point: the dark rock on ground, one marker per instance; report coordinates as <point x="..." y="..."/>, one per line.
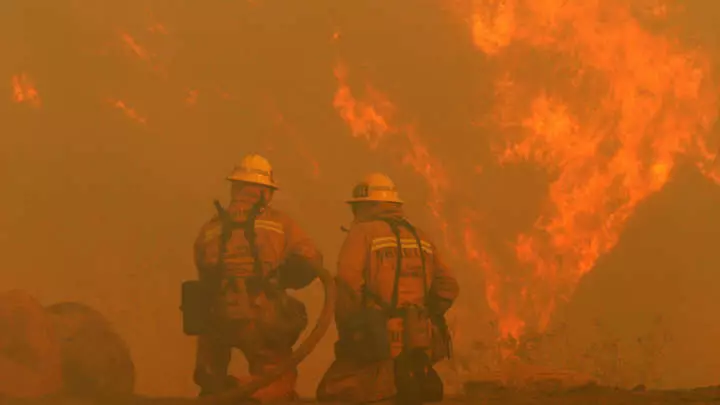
<point x="95" y="359"/>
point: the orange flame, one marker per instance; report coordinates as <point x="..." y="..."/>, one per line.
<point x="128" y="111"/>
<point x="605" y="114"/>
<point x="371" y="119"/>
<point x="365" y="119"/>
<point x="608" y="135"/>
<point x="191" y="98"/>
<point x="134" y="47"/>
<point x="584" y="92"/>
<point x="24" y="90"/>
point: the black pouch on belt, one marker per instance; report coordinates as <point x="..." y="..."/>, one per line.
<point x="196" y="307"/>
<point x="364" y="337"/>
<point x="416" y="328"/>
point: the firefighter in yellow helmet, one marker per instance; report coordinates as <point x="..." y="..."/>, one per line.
<point x="247" y="256"/>
<point x="393" y="292"/>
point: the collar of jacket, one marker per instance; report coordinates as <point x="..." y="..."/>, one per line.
<point x="365" y="212"/>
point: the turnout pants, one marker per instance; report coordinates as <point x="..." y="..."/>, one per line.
<point x="266" y="343"/>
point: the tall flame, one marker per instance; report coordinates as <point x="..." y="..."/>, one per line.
<point x="598" y="102"/>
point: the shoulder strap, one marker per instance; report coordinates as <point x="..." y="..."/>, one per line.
<point x="228" y="226"/>
<point x="396" y="282"/>
<point x="251" y="237"/>
<point x="225" y="234"/>
<point x="395" y="227"/>
<point x="423" y="264"/>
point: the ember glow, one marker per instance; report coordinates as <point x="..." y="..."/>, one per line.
<point x="24" y="90"/>
<point x="128" y="111"/>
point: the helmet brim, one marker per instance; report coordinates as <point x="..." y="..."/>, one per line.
<point x="370" y="199"/>
<point x="257" y="183"/>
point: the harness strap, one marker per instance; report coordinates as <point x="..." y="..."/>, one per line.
<point x="392" y="308"/>
<point x="413" y="230"/>
<point x="396" y="283"/>
<point x="248" y="227"/>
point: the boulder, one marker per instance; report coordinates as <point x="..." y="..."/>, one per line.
<point x="96" y="361"/>
<point x="30" y="364"/>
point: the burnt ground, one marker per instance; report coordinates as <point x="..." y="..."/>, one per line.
<point x="591" y="395"/>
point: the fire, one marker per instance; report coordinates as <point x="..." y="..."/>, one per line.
<point x="24" y="90"/>
<point x="606" y="112"/>
<point x="137" y="48"/>
<point x="371" y="118"/>
<point x="608" y="136"/>
<point x="365" y="118"/>
<point x="128" y="111"/>
<point x="584" y="93"/>
<point x="191" y="98"/>
<point x="134" y="47"/>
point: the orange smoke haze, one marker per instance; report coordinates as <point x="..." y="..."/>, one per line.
<point x="563" y="153"/>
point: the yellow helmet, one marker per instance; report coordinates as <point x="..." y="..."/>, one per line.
<point x="375" y="187"/>
<point x="254" y="169"/>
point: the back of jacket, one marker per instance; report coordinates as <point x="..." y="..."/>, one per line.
<point x="287" y="255"/>
<point x="367" y="265"/>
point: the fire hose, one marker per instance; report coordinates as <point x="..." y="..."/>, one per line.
<point x="304" y="349"/>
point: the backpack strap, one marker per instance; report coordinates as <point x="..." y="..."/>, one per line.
<point x="396" y="283"/>
<point x="423" y="264"/>
<point x="392" y="308"/>
<point x="248" y="227"/>
<point x="395" y="226"/>
<point x="225" y="234"/>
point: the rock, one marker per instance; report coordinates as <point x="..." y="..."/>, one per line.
<point x="96" y="361"/>
<point x="29" y="350"/>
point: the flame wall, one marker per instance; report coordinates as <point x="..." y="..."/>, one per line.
<point x="560" y="151"/>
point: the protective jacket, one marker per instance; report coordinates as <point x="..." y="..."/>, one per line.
<point x="252" y="253"/>
<point x="366" y="266"/>
<point x="367" y="278"/>
<point x="284" y="250"/>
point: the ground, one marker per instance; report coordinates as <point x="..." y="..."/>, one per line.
<point x="580" y="396"/>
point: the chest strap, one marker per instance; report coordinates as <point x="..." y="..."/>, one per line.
<point x="248" y="228"/>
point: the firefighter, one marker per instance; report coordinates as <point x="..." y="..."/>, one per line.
<point x="393" y="292"/>
<point x="251" y="254"/>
